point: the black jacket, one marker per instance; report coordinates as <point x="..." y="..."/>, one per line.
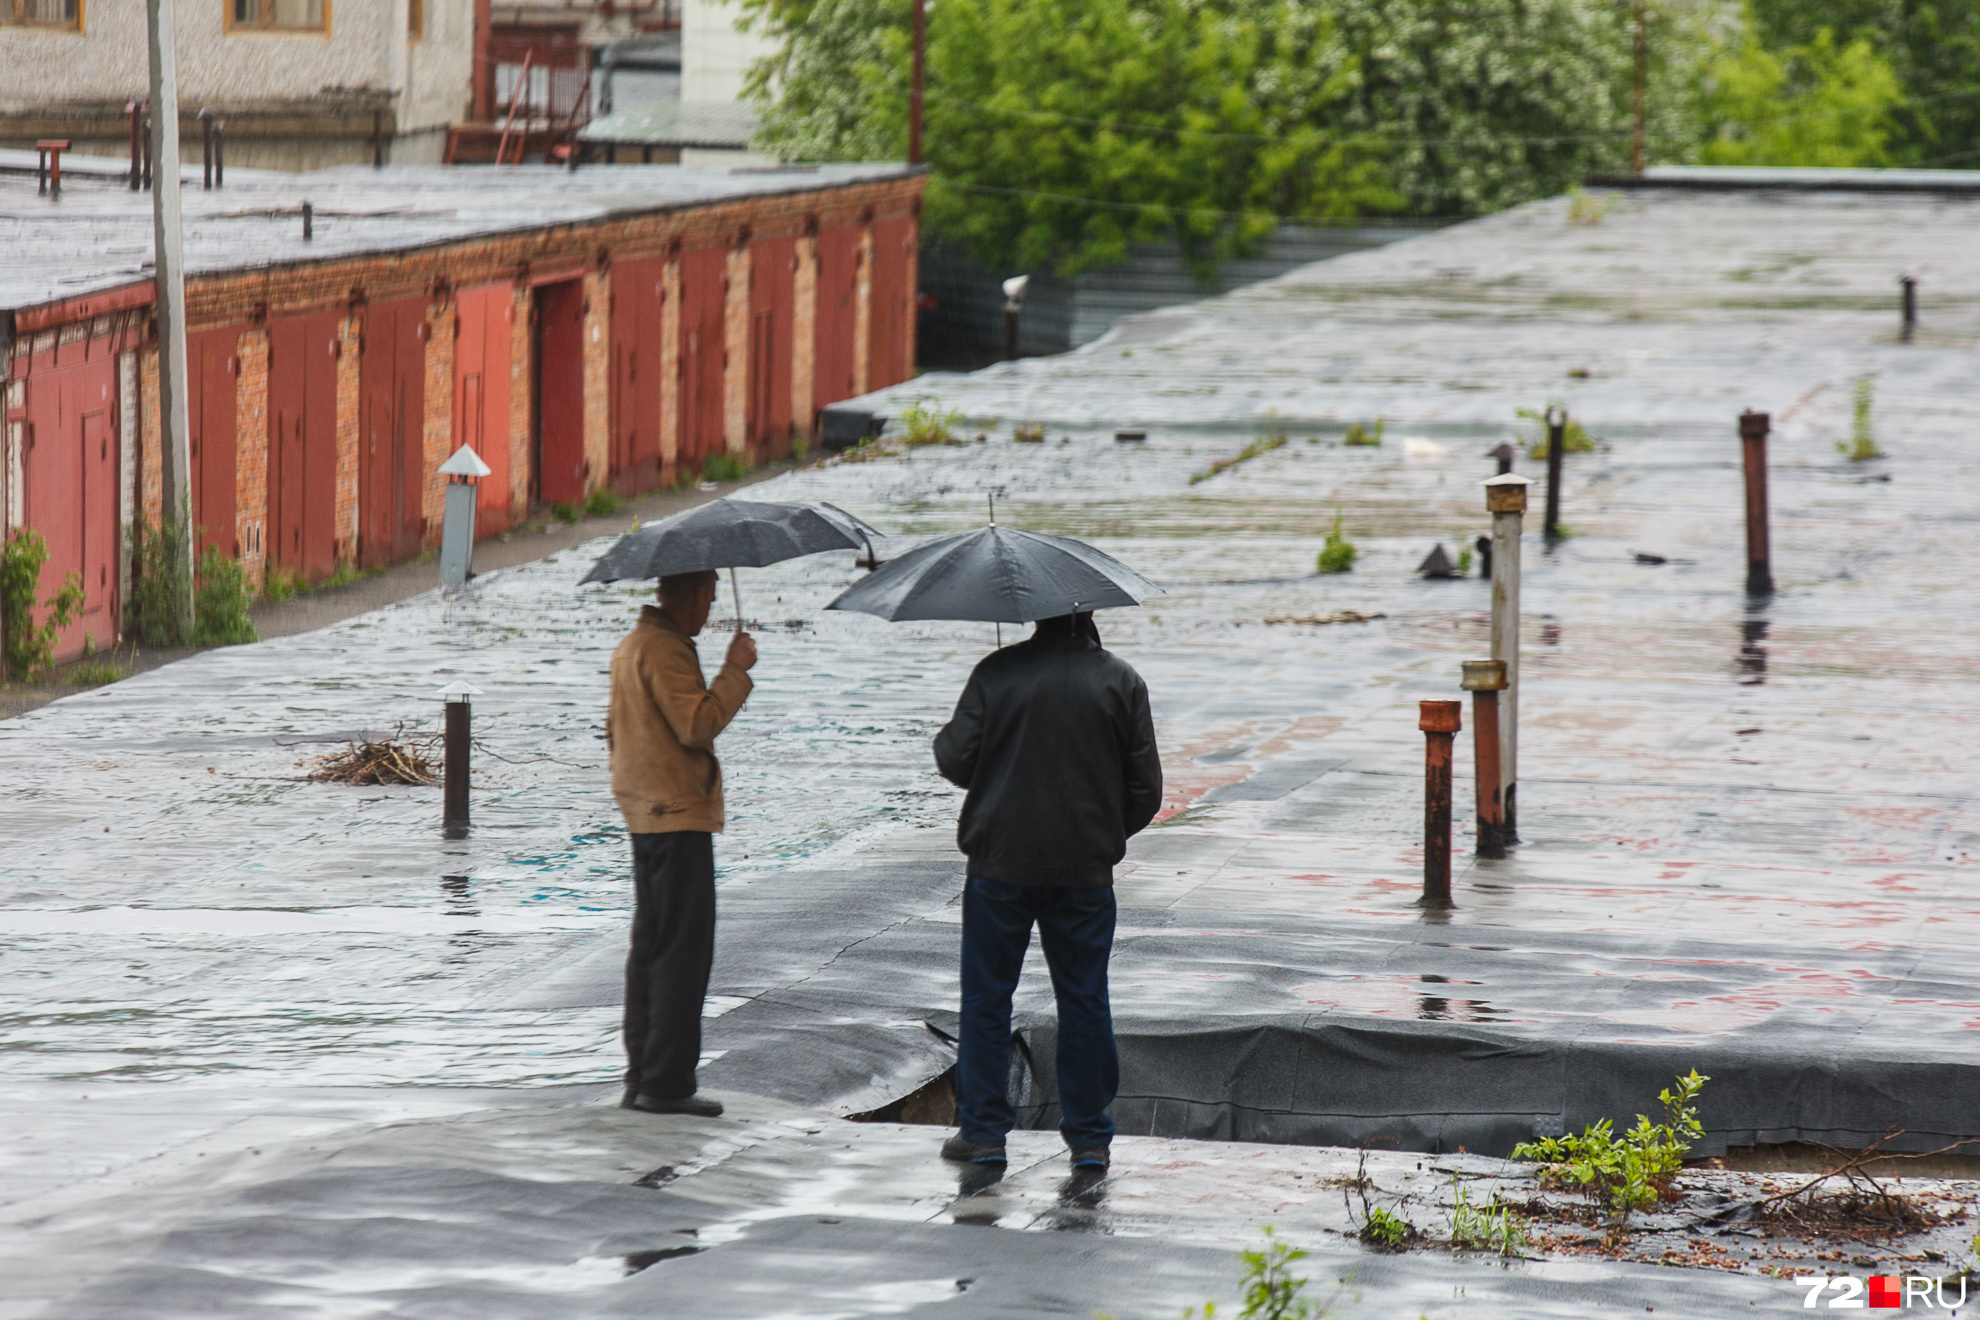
<point x="1054" y="741"/>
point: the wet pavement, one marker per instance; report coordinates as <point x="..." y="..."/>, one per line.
<point x="1749" y="828"/>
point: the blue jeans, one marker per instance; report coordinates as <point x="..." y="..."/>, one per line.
<point x="1076" y="928"/>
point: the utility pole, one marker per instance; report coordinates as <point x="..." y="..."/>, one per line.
<point x="917" y="80"/>
<point x="1639" y="91"/>
<point x="168" y="256"/>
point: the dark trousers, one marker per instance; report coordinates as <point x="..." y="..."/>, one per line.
<point x="673" y="943"/>
<point x="1076" y="929"/>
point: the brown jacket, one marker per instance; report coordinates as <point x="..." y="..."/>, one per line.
<point x="661" y="729"/>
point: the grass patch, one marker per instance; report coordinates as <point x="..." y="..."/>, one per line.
<point x="925" y="426"/>
<point x="1338" y="554"/>
<point x="602" y="503"/>
<point x="1363" y="437"/>
<point x="280" y="584"/>
<point x="1264" y="444"/>
<point x="1033" y="434"/>
<point x="1494" y="1226"/>
<point x="567" y="514"/>
<point x="724" y="467"/>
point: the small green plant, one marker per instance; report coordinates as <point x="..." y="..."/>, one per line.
<point x="1338" y="554"/>
<point x="1386" y="1230"/>
<point x="724" y="467"/>
<point x="1494" y="1226"/>
<point x="342" y="576"/>
<point x="925" y="426"/>
<point x="95" y="673"/>
<point x="565" y="513"/>
<point x="798" y="446"/>
<point x="280" y="584"/>
<point x="1363" y="437"/>
<point x="1862" y="444"/>
<point x="220" y="609"/>
<point x="1629" y="1172"/>
<point x="1029" y="434"/>
<point x="161" y="590"/>
<point x="1574" y="436"/>
<point x="602" y="503"/>
<point x="1264" y="444"/>
<point x="1464" y="560"/>
<point x="1584" y="209"/>
<point x="31" y="646"/>
<point x="1271" y="1291"/>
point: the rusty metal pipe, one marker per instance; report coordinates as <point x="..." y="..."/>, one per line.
<point x="1440" y="722"/>
<point x="1484" y="679"/>
<point x="1753" y="428"/>
<point x="1909" y="305"/>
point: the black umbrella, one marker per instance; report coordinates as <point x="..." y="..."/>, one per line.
<point x="729" y="534"/>
<point x="997" y="575"/>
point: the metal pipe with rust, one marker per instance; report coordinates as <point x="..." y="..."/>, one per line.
<point x="1753" y="428"/>
<point x="1440" y="722"/>
<point x="1484" y="680"/>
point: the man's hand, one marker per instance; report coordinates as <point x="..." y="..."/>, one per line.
<point x="742" y="651"/>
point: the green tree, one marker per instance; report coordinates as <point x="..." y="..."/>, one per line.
<point x="1819" y="103"/>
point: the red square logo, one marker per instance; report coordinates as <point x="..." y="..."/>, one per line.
<point x="1886" y="1291"/>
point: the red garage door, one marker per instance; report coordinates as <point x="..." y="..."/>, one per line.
<point x="302" y="444"/>
<point x="69" y="479"/>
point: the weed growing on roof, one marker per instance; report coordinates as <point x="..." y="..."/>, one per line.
<point x="1271" y="1292"/>
<point x="220" y="609"/>
<point x="1464" y="559"/>
<point x="1029" y="434"/>
<point x="31" y="646"/>
<point x="925" y="426"/>
<point x="1862" y="444"/>
<point x="1574" y="436"/>
<point x="1494" y="1226"/>
<point x="1629" y="1172"/>
<point x="602" y="503"/>
<point x="1362" y="437"/>
<point x="724" y="467"/>
<point x="1264" y="444"/>
<point x="1338" y="554"/>
<point x="1586" y="209"/>
<point x="157" y="613"/>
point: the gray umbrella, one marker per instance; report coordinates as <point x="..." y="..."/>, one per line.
<point x="728" y="533"/>
<point x="997" y="575"/>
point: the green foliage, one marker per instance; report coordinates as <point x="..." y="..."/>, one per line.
<point x="1624" y="1173"/>
<point x="602" y="503"/>
<point x="1588" y="209"/>
<point x="1338" y="554"/>
<point x="30" y="648"/>
<point x="1271" y="1291"/>
<point x="1494" y="1226"/>
<point x="1264" y="444"/>
<point x="724" y="467"/>
<point x="159" y="610"/>
<point x="1817" y="103"/>
<point x="1386" y="1230"/>
<point x="925" y="426"/>
<point x="1574" y="436"/>
<point x="798" y="446"/>
<point x="220" y="609"/>
<point x="1033" y="434"/>
<point x="1464" y="559"/>
<point x="280" y="584"/>
<point x="1862" y="445"/>
<point x="1362" y="437"/>
<point x="568" y="514"/>
<point x="95" y="673"/>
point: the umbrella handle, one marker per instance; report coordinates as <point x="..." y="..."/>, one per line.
<point x="737" y="591"/>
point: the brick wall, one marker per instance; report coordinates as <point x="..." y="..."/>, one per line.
<point x="735" y="353"/>
<point x="344" y="537"/>
<point x="521" y="343"/>
<point x="804" y="335"/>
<point x="597" y="380"/>
<point x="863" y="316"/>
<point x="151" y="448"/>
<point x="670" y="372"/>
<point x="251" y="455"/>
<point x="913" y="281"/>
<point x="438" y="438"/>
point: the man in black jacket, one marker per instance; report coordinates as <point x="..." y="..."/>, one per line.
<point x="1054" y="743"/>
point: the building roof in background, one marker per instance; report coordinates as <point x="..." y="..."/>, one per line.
<point x="727" y="125"/>
<point x="98" y="237"/>
<point x="1739" y="178"/>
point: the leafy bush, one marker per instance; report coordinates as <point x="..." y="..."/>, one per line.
<point x="1816" y="103"/>
<point x="724" y="467"/>
<point x="925" y="426"/>
<point x="602" y="503"/>
<point x="159" y="612"/>
<point x="220" y="610"/>
<point x="1862" y="445"/>
<point x="31" y="646"/>
<point x="1626" y="1173"/>
<point x="1264" y="444"/>
<point x="1338" y="554"/>
<point x="1362" y="437"/>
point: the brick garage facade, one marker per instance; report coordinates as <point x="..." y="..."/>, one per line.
<point x="326" y="446"/>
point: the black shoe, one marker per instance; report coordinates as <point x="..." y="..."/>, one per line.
<point x="698" y="1105"/>
<point x="972" y="1152"/>
<point x="1089" y="1157"/>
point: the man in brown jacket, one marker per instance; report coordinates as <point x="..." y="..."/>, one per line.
<point x="661" y="729"/>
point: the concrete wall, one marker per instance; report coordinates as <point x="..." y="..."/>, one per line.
<point x="365" y="50"/>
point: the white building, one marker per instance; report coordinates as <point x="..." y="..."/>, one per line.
<point x="300" y="84"/>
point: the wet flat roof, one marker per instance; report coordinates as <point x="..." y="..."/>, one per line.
<point x="98" y="236"/>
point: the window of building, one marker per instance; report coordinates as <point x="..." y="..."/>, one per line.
<point x="281" y="15"/>
<point x="42" y="13"/>
<point x="415" y="19"/>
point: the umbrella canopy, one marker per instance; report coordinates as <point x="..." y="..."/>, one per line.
<point x="997" y="575"/>
<point x="729" y="533"/>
